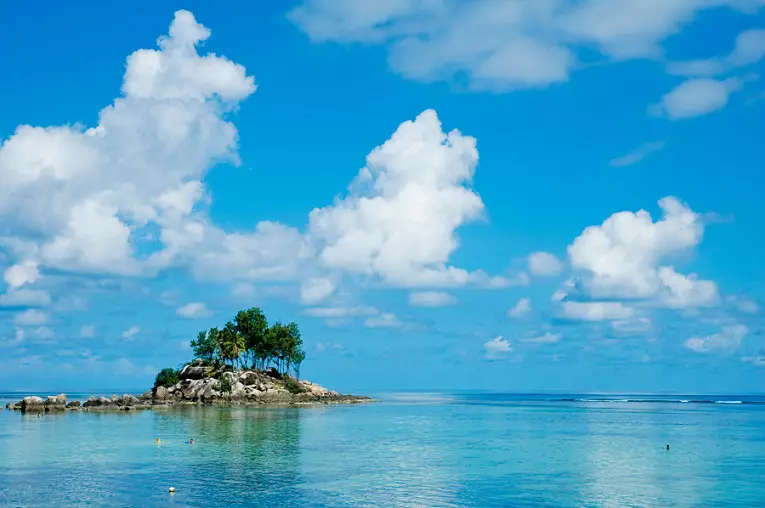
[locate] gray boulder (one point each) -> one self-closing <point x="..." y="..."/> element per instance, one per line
<point x="100" y="402"/>
<point x="162" y="393"/>
<point x="195" y="372"/>
<point x="250" y="378"/>
<point x="32" y="405"/>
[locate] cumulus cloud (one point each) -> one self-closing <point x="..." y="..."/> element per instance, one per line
<point x="315" y="290"/>
<point x="82" y="199"/>
<point x="399" y="220"/>
<point x="520" y="309"/>
<point x="499" y="45"/>
<point x="431" y="299"/>
<point x="194" y="310"/>
<point x="637" y="155"/>
<point x="696" y="97"/>
<point x="622" y="258"/>
<point x="31" y="317"/>
<point x="25" y="298"/>
<point x="497" y="347"/>
<point x="25" y="272"/>
<point x="728" y="339"/>
<point x="544" y="264"/>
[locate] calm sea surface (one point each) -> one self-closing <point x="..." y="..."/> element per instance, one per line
<point x="408" y="450"/>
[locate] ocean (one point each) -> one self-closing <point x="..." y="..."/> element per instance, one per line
<point x="409" y="449"/>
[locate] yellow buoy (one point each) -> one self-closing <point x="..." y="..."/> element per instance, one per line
<point x="171" y="489"/>
<point x="158" y="441"/>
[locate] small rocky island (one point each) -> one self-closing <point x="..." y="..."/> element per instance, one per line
<point x="217" y="376"/>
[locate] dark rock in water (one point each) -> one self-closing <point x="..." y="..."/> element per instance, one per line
<point x="125" y="400"/>
<point x="99" y="402"/>
<point x="74" y="403"/>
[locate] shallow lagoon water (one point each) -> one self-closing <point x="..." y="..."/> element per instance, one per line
<point x="407" y="450"/>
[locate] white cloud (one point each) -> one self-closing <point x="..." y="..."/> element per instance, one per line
<point x="194" y="310"/>
<point x="497" y="347"/>
<point x="696" y="97"/>
<point x="131" y="332"/>
<point x="500" y="45"/>
<point x="84" y="199"/>
<point x="315" y="290"/>
<point x="341" y="312"/>
<point x="729" y="339"/>
<point x="749" y="49"/>
<point x="544" y="264"/>
<point x="635" y="325"/>
<point x="520" y="309"/>
<point x="384" y="320"/>
<point x="547" y="338"/>
<point x="744" y="304"/>
<point x="25" y="298"/>
<point x="595" y="311"/>
<point x="31" y="317"/>
<point x="621" y="258"/>
<point x="399" y="220"/>
<point x="637" y="155"/>
<point x="431" y="299"/>
<point x="87" y="331"/>
<point x="23" y="273"/>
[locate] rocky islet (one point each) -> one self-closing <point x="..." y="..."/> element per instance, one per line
<point x="200" y="384"/>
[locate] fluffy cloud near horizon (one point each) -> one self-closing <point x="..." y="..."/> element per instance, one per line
<point x="503" y="46"/>
<point x="497" y="347"/>
<point x="625" y="257"/>
<point x="727" y="340"/>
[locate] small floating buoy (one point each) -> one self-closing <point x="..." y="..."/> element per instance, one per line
<point x="158" y="441"/>
<point x="171" y="490"/>
<point x="667" y="446"/>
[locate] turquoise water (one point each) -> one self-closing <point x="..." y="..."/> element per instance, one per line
<point x="408" y="450"/>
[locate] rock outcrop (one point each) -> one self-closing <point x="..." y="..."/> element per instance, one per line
<point x="200" y="385"/>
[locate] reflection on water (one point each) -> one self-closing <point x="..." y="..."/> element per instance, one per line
<point x="415" y="451"/>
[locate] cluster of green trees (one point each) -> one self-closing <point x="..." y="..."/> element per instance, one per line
<point x="248" y="341"/>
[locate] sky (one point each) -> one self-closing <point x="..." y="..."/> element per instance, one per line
<point x="554" y="195"/>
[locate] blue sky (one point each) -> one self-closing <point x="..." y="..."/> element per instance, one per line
<point x="497" y="195"/>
